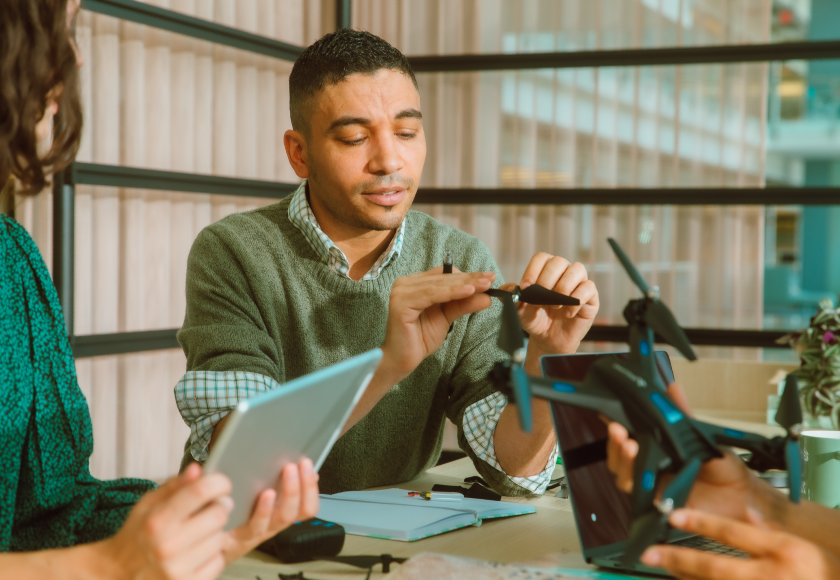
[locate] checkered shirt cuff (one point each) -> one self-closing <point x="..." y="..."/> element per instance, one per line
<point x="206" y="397"/>
<point x="480" y="421"/>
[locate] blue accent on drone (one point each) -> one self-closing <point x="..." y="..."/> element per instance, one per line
<point x="734" y="433"/>
<point x="647" y="481"/>
<point x="563" y="388"/>
<point x="667" y="409"/>
<point x="644" y="348"/>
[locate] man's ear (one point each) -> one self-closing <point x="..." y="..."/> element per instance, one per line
<point x="295" y="145"/>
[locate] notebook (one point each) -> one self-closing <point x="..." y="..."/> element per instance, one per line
<point x="391" y="514"/>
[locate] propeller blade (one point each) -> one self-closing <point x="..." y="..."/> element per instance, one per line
<point x="790" y="408"/>
<point x="542" y="296"/>
<point x="793" y="460"/>
<point x="662" y="321"/>
<point x="646" y="530"/>
<point x="629" y="267"/>
<point x="510" y="338"/>
<point x="522" y="397"/>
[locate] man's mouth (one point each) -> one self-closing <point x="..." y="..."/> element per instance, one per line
<point x="386" y="197"/>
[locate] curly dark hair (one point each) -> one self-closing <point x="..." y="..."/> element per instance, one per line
<point x="334" y="57"/>
<point x="37" y="64"/>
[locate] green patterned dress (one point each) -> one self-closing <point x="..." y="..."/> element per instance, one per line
<point x="49" y="498"/>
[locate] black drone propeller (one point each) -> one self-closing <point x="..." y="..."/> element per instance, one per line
<point x="657" y="316"/>
<point x="536" y="295"/>
<point x="789" y="416"/>
<point x="512" y="341"/>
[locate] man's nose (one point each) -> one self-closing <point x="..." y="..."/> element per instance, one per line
<point x="386" y="157"/>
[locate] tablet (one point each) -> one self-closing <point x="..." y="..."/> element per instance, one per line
<point x="302" y="418"/>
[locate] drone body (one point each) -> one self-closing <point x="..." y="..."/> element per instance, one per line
<point x="631" y="392"/>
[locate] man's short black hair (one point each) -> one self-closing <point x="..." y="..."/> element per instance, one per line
<point x="334" y="57"/>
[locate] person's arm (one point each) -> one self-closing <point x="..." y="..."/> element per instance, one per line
<point x="725" y="487"/>
<point x="552" y="330"/>
<point x="773" y="554"/>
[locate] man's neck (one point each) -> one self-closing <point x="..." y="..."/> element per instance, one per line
<point x="361" y="247"/>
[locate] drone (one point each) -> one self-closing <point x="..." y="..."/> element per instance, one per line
<point x="632" y="393"/>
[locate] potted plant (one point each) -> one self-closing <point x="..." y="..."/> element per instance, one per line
<point x="819" y="374"/>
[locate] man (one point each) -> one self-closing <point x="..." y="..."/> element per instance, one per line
<point x="342" y="267"/>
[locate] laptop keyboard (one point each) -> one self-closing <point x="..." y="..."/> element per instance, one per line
<point x="707" y="545"/>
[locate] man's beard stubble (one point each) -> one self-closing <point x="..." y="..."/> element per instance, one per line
<point x="364" y="221"/>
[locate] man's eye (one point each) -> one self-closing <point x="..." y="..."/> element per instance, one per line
<point x="353" y="142"/>
<point x="407" y="135"/>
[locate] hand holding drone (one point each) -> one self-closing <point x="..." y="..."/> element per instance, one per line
<point x="631" y="392"/>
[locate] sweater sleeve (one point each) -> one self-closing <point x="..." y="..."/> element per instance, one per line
<point x="223" y="328"/>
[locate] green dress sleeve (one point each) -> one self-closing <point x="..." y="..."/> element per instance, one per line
<point x="48" y="498"/>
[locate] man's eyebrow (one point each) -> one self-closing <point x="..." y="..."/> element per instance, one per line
<point x="344" y="121"/>
<point x="409" y="114"/>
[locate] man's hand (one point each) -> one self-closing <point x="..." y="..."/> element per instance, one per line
<point x="295" y="499"/>
<point x="421" y="308"/>
<point x="556" y="329"/>
<point x="723" y="486"/>
<point x="773" y="554"/>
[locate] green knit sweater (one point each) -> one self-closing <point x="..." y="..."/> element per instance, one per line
<point x="259" y="299"/>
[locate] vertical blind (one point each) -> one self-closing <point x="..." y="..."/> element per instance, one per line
<point x="158" y="100"/>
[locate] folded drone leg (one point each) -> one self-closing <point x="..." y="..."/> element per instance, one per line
<point x="653" y="526"/>
<point x="648" y="522"/>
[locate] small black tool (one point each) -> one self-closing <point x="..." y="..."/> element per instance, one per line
<point x="311" y="539"/>
<point x="447" y="269"/>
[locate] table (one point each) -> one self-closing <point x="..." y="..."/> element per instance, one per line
<point x="548" y="537"/>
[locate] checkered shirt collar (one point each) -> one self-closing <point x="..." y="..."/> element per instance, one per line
<point x="300" y="214"/>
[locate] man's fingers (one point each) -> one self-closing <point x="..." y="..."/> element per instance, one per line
<point x="457" y="308"/>
<point x="676" y="392"/>
<point x="420" y="294"/>
<point x="734" y="533"/>
<point x="535" y="267"/>
<point x="690" y="564"/>
<point x="587" y="294"/>
<point x="554" y="269"/>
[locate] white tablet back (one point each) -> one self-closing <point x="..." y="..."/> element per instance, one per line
<point x="302" y="418"/>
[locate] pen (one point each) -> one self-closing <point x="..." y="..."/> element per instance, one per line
<point x="447" y="269"/>
<point x="437" y="495"/>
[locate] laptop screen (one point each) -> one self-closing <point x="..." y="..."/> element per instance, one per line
<point x="602" y="511"/>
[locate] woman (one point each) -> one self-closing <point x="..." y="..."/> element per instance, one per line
<point x="54" y="516"/>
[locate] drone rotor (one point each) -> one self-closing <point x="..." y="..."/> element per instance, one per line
<point x="656" y="315"/>
<point x="512" y="342"/>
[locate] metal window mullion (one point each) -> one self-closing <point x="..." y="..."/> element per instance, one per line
<point x="64" y="200"/>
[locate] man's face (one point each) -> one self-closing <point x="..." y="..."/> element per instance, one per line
<point x="365" y="149"/>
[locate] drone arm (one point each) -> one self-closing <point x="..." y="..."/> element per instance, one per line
<point x="767" y="453"/>
<point x="650" y="461"/>
<point x="579" y="395"/>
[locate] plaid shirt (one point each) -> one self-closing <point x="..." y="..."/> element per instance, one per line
<point x="205" y="397"/>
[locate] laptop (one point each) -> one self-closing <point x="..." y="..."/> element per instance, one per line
<point x="301" y="418"/>
<point x="602" y="511"/>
